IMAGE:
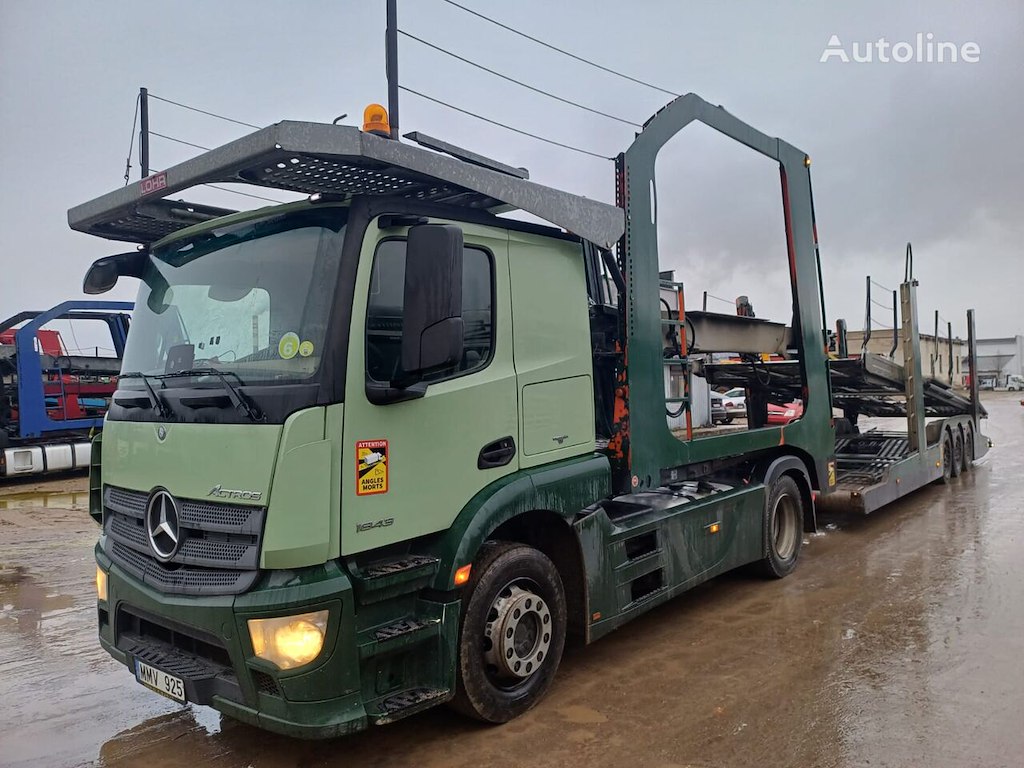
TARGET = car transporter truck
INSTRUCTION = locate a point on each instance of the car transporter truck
(383, 448)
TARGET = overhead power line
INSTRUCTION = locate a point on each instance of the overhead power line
(199, 146)
(503, 125)
(179, 141)
(520, 82)
(243, 194)
(719, 298)
(204, 112)
(219, 188)
(563, 51)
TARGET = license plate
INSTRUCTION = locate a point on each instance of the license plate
(170, 686)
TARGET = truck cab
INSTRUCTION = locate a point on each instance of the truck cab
(315, 401)
(286, 332)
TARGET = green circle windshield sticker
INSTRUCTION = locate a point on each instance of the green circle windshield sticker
(306, 348)
(288, 346)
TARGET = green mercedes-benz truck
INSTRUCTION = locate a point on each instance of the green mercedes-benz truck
(386, 447)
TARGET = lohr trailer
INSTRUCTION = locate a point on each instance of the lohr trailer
(383, 449)
(51, 400)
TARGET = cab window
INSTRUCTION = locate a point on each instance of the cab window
(385, 310)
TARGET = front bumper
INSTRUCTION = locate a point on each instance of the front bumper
(205, 641)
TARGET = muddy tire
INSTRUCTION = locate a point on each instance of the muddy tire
(783, 528)
(512, 633)
(968, 457)
(958, 453)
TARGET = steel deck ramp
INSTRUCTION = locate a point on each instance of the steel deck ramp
(862, 460)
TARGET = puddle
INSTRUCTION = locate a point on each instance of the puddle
(35, 500)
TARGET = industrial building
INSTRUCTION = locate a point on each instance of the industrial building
(1000, 358)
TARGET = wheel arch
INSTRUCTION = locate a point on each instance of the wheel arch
(795, 467)
(534, 507)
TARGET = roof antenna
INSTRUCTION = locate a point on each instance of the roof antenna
(339, 118)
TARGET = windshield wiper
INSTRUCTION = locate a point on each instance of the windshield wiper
(155, 400)
(237, 398)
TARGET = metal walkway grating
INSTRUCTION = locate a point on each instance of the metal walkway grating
(863, 459)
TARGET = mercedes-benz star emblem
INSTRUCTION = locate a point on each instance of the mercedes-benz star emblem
(161, 433)
(162, 525)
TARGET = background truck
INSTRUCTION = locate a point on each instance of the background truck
(52, 398)
(382, 448)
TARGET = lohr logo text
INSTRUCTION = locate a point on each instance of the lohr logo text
(923, 50)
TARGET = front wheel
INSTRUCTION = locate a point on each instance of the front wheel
(784, 516)
(513, 632)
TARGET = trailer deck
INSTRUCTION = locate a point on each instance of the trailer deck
(871, 385)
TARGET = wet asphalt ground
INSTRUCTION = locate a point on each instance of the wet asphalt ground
(899, 641)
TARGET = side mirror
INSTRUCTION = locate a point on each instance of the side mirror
(103, 274)
(432, 329)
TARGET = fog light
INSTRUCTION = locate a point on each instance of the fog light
(289, 641)
(101, 585)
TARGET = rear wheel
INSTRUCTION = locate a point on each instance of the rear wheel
(513, 632)
(968, 457)
(947, 458)
(958, 453)
(784, 516)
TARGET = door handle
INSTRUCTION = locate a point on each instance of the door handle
(496, 454)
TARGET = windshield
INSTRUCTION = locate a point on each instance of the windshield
(251, 300)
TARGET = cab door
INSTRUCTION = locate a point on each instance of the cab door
(410, 467)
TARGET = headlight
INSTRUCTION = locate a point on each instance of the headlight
(289, 641)
(101, 584)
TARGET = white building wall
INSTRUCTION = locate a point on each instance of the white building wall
(1004, 357)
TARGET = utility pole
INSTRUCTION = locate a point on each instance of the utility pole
(144, 132)
(391, 64)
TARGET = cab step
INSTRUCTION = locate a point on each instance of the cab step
(395, 706)
(384, 579)
(397, 636)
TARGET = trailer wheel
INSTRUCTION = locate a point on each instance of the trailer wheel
(968, 457)
(512, 634)
(947, 459)
(784, 525)
(958, 453)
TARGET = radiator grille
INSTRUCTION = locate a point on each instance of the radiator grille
(219, 550)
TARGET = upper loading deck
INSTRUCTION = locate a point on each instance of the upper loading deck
(336, 161)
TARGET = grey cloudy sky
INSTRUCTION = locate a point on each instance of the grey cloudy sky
(922, 152)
